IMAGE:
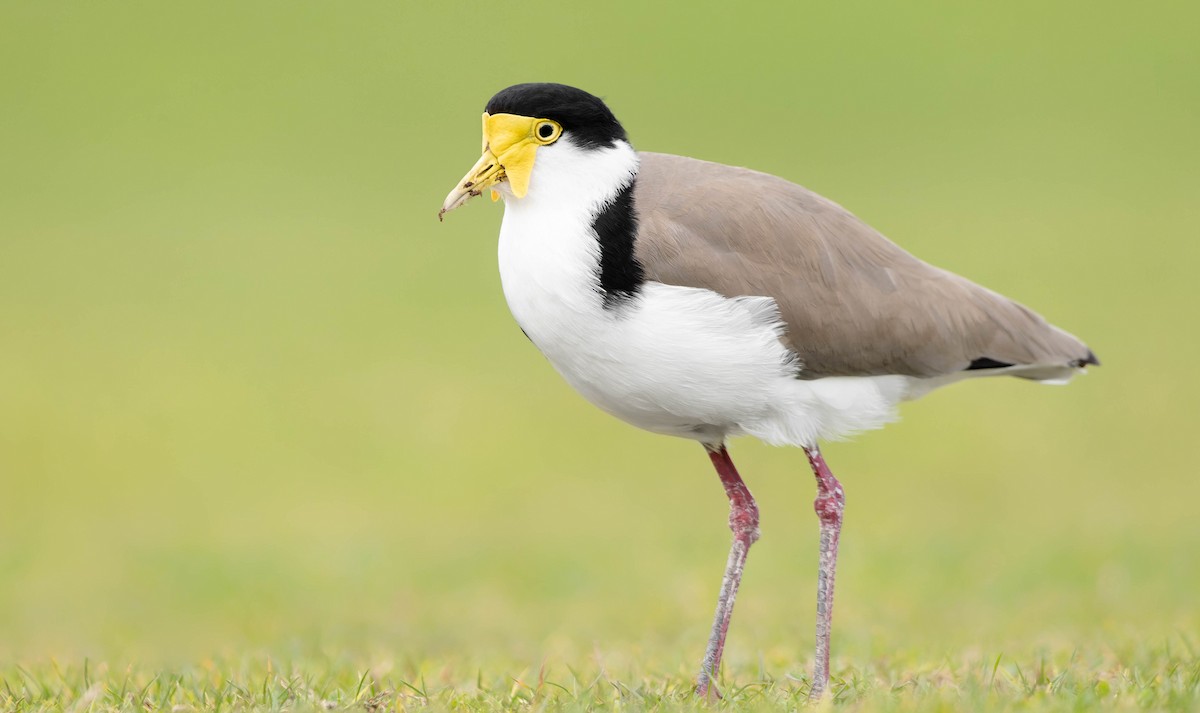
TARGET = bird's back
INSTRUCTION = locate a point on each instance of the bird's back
(854, 302)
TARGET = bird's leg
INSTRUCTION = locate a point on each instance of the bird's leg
(830, 503)
(743, 520)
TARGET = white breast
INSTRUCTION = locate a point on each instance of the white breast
(676, 360)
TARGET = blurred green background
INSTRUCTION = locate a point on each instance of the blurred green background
(253, 396)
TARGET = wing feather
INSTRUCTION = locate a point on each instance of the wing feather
(854, 302)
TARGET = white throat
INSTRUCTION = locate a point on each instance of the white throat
(549, 253)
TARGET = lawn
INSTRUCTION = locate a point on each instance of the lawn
(1165, 677)
(270, 439)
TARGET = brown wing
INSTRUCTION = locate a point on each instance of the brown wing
(854, 302)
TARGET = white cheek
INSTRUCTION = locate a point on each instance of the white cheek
(567, 176)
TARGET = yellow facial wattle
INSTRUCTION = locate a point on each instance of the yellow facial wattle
(510, 144)
(514, 141)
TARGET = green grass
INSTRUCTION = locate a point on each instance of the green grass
(257, 405)
(1165, 676)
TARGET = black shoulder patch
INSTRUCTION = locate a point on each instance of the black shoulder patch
(621, 275)
(986, 363)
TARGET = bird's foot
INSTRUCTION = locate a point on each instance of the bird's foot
(708, 692)
(819, 691)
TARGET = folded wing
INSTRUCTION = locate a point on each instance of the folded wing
(855, 303)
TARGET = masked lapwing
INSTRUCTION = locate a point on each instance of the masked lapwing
(704, 301)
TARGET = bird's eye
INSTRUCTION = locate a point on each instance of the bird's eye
(547, 131)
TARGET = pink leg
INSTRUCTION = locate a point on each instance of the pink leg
(830, 503)
(743, 520)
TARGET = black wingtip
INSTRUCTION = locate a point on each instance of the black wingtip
(1089, 359)
(986, 363)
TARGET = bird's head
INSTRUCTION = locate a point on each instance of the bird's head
(526, 121)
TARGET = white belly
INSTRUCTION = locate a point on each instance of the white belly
(673, 360)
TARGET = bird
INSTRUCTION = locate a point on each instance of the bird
(707, 302)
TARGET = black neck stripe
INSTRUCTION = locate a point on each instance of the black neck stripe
(615, 224)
